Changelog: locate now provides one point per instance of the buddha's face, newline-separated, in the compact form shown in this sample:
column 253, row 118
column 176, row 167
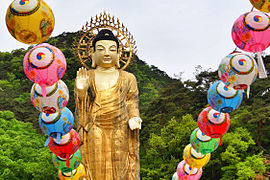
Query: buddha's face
column 106, row 54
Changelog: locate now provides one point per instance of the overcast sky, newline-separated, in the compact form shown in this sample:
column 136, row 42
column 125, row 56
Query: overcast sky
column 174, row 35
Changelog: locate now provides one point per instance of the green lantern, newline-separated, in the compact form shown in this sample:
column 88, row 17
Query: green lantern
column 60, row 163
column 202, row 143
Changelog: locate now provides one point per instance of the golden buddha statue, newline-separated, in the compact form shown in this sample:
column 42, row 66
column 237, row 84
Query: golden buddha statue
column 108, row 114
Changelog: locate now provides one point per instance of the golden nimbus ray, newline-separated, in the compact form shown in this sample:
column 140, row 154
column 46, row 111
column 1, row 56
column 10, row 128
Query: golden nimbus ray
column 90, row 29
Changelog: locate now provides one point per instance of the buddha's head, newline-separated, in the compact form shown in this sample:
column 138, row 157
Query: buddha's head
column 106, row 50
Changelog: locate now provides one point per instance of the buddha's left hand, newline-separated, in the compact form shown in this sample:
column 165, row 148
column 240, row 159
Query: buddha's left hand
column 135, row 123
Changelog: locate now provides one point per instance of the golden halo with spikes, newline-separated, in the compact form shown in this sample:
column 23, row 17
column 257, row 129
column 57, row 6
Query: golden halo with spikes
column 83, row 46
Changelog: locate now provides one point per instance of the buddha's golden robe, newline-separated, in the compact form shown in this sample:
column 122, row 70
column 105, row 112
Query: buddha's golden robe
column 110, row 149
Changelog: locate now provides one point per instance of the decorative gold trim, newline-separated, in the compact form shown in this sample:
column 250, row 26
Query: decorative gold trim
column 69, row 140
column 53, row 121
column 27, row 13
column 239, row 72
column 199, row 138
column 208, row 118
column 49, row 93
column 229, row 97
column 251, row 28
column 64, row 159
column 83, row 45
column 44, row 67
column 194, row 157
column 76, row 170
column 184, row 170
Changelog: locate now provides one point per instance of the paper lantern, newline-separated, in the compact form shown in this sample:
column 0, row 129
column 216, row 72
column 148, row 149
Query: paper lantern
column 213, row 123
column 194, row 159
column 238, row 70
column 175, row 176
column 45, row 65
column 184, row 171
column 251, row 33
column 223, row 98
column 202, row 143
column 68, row 145
column 261, row 5
column 60, row 163
column 57, row 124
column 77, row 174
column 56, row 99
column 30, row 21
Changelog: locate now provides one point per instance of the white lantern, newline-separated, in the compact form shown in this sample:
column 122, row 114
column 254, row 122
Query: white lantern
column 238, row 70
column 56, row 98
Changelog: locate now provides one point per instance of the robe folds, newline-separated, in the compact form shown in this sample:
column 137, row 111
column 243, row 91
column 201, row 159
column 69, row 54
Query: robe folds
column 110, row 149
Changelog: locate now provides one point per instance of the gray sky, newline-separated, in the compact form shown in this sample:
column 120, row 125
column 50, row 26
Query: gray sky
column 174, row 35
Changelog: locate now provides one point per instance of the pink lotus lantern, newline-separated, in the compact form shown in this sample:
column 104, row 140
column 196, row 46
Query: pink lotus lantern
column 251, row 33
column 44, row 64
column 184, row 171
column 68, row 145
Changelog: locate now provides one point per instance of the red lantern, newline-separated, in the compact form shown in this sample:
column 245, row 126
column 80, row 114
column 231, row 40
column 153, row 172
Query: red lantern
column 213, row 123
column 68, row 145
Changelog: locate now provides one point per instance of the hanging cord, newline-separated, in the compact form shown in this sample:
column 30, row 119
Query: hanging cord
column 235, row 51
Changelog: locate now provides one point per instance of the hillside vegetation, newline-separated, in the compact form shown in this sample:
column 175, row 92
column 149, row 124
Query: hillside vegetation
column 169, row 108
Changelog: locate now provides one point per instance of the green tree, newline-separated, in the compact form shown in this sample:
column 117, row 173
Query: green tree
column 239, row 161
column 164, row 150
column 22, row 153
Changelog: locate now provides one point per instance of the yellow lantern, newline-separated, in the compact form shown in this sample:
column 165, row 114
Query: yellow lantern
column 195, row 159
column 78, row 174
column 30, row 21
column 261, row 5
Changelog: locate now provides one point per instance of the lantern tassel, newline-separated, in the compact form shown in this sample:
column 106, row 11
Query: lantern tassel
column 71, row 175
column 58, row 138
column 43, row 91
column 67, row 161
column 220, row 140
column 261, row 68
column 47, row 141
column 248, row 89
column 218, row 116
column 191, row 169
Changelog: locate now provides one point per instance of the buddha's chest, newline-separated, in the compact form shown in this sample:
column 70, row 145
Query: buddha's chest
column 105, row 80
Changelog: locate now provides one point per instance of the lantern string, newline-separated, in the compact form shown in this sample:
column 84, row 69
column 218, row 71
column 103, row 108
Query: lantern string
column 248, row 90
column 252, row 8
column 235, row 50
column 58, row 138
column 47, row 142
column 218, row 116
column 190, row 170
column 261, row 68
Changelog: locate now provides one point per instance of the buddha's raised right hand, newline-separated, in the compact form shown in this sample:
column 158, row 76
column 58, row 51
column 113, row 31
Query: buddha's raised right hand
column 82, row 81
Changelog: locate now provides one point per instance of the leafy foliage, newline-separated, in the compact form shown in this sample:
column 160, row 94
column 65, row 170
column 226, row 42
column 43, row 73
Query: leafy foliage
column 164, row 150
column 22, row 153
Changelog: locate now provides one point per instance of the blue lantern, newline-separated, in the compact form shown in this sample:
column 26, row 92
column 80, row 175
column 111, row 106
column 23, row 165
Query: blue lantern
column 223, row 98
column 57, row 124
